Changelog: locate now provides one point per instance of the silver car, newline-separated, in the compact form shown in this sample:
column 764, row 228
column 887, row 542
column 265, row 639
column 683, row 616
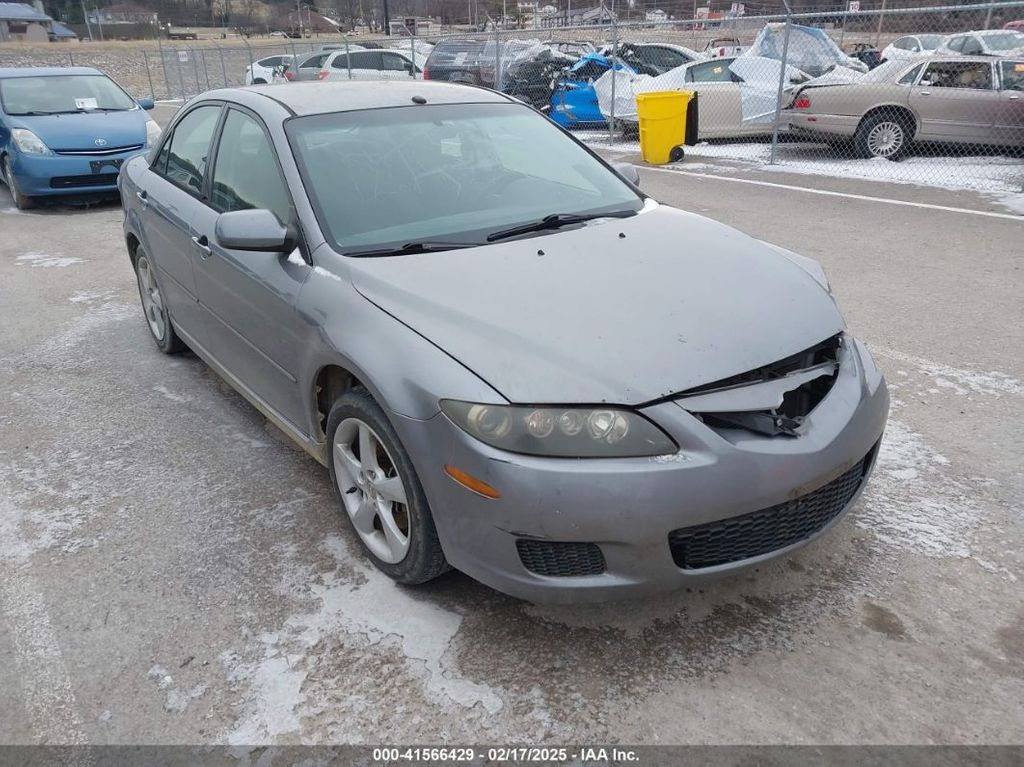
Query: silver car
column 961, row 100
column 511, row 360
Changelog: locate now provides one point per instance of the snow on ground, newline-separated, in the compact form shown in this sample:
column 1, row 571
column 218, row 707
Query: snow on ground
column 46, row 260
column 994, row 174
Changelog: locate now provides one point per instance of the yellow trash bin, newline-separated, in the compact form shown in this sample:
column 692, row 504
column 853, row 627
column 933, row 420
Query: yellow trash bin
column 662, row 116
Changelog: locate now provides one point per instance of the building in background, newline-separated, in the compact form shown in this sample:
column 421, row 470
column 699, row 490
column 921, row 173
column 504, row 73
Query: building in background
column 124, row 13
column 27, row 23
column 579, row 17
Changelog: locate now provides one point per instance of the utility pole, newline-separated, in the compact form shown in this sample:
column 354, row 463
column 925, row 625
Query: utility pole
column 85, row 16
column 878, row 32
column 298, row 12
column 387, row 19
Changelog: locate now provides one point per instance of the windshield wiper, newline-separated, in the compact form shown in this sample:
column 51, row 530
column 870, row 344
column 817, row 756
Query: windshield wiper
column 554, row 221
column 411, row 248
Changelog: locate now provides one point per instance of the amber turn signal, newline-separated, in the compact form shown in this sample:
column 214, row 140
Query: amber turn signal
column 471, row 483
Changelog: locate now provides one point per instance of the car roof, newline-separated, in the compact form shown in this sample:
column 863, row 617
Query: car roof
column 10, row 72
column 311, row 98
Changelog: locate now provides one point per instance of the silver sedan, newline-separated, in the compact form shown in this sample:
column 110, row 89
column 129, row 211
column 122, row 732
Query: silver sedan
column 946, row 100
column 511, row 361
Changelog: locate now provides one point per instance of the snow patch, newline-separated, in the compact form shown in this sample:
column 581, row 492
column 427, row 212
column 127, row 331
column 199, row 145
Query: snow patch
column 423, row 632
column 166, row 393
column 88, row 297
column 960, row 380
column 994, row 175
column 177, row 699
column 913, row 504
column 323, row 272
column 45, row 260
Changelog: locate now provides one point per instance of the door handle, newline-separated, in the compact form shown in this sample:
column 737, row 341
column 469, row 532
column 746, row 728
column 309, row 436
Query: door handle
column 203, row 245
column 926, row 93
column 1014, row 97
column 143, row 197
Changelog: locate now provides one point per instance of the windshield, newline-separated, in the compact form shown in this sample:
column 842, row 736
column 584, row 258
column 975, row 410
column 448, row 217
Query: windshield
column 386, row 177
column 62, row 94
column 930, row 42
column 1004, row 41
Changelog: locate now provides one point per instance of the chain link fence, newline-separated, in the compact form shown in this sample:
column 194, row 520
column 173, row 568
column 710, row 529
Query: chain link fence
column 923, row 95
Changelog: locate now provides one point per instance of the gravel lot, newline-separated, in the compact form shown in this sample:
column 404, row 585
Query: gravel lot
column 172, row 570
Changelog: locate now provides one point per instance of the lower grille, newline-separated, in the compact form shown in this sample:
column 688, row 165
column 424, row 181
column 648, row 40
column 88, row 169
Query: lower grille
column 76, row 182
column 560, row 559
column 761, row 532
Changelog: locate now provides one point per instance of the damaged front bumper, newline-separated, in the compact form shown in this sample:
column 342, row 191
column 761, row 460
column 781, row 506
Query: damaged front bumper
column 568, row 530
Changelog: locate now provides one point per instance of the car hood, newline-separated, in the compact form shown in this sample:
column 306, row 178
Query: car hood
column 82, row 129
column 590, row 316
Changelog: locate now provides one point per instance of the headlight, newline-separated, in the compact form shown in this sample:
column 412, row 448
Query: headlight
column 153, row 132
column 28, row 142
column 561, row 432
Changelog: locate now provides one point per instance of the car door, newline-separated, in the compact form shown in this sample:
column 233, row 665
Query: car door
column 168, row 195
column 249, row 297
column 719, row 101
column 955, row 101
column 1009, row 125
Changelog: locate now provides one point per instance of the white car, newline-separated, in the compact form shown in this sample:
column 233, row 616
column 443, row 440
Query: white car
column 990, row 42
column 737, row 95
column 908, row 46
column 379, row 64
column 263, row 71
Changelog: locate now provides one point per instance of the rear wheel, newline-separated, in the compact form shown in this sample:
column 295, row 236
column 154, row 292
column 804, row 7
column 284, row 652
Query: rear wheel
column 883, row 135
column 380, row 492
column 157, row 317
column 21, row 201
column 259, row 81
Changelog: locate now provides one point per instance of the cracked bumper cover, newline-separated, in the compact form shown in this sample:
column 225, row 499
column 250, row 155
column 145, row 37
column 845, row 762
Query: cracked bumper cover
column 629, row 506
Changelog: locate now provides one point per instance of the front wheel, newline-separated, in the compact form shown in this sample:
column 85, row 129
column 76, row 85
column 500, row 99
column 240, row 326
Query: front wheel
column 21, row 201
column 380, row 492
column 884, row 136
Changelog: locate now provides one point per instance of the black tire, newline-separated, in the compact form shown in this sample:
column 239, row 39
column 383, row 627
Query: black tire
column 259, row 81
column 884, row 135
column 21, row 201
column 424, row 559
column 168, row 341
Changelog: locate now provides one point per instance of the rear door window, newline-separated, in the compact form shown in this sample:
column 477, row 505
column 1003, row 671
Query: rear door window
column 976, row 75
column 182, row 159
column 710, row 72
column 365, row 60
column 911, row 77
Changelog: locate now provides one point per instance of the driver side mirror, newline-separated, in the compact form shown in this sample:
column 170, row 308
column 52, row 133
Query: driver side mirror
column 256, row 230
column 628, row 172
column 146, row 104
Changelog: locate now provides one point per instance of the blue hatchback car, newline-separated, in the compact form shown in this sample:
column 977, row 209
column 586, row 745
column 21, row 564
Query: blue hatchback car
column 67, row 131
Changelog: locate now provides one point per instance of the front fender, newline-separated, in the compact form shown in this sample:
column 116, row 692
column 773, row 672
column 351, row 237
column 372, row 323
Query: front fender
column 405, row 373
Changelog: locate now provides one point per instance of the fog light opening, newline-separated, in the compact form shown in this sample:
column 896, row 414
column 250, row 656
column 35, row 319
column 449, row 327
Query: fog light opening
column 470, row 482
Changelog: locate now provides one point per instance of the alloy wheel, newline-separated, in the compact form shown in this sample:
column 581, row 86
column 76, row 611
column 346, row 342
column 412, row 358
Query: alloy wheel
column 372, row 491
column 885, row 139
column 152, row 301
